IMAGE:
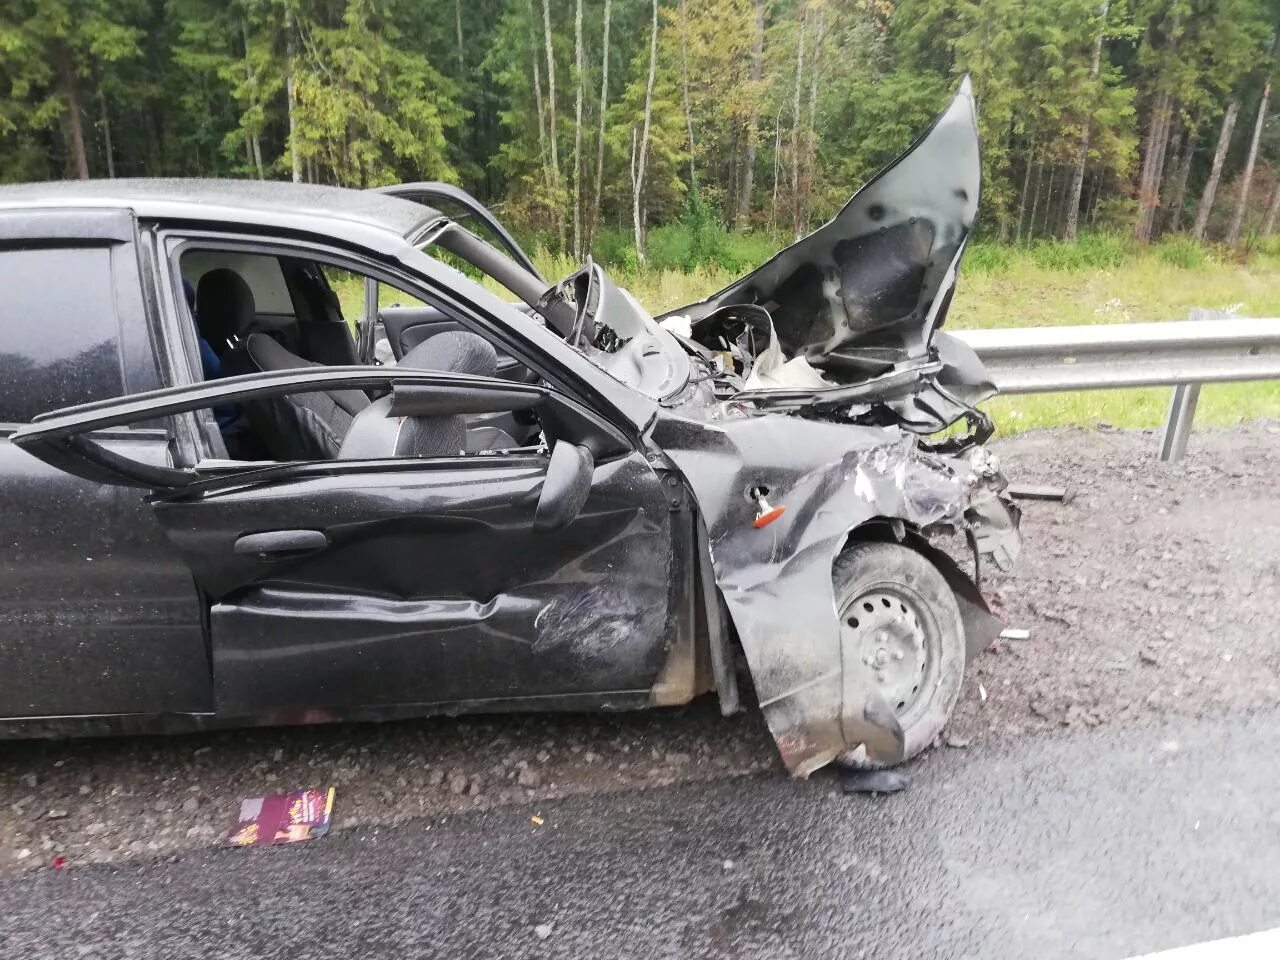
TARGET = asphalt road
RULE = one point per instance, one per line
(1103, 843)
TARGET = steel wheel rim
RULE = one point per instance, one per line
(888, 631)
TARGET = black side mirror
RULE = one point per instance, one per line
(566, 487)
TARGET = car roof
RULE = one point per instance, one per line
(270, 202)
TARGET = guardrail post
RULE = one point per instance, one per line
(1177, 426)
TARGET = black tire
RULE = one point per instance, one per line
(898, 612)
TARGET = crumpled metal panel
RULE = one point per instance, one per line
(776, 580)
(871, 287)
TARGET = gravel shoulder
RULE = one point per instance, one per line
(1153, 592)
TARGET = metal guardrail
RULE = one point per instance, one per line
(1209, 348)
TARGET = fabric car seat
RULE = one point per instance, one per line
(377, 434)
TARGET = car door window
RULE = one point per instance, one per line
(59, 335)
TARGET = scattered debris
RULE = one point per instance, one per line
(57, 813)
(982, 693)
(1040, 708)
(956, 742)
(59, 862)
(536, 820)
(872, 781)
(728, 865)
(1149, 657)
(1034, 491)
(543, 930)
(1015, 633)
(282, 818)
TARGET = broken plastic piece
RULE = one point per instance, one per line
(536, 820)
(282, 818)
(1013, 633)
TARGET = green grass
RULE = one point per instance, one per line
(1101, 279)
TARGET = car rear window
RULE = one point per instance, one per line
(59, 339)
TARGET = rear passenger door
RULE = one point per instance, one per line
(98, 614)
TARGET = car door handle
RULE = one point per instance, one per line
(279, 544)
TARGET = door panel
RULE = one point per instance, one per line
(433, 587)
(98, 614)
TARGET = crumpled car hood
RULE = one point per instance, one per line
(870, 288)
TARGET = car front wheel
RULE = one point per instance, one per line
(900, 621)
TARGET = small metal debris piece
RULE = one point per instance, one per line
(1014, 633)
(872, 781)
(1033, 491)
(543, 930)
(536, 820)
(982, 693)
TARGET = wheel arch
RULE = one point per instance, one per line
(981, 626)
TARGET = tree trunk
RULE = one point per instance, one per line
(684, 80)
(1082, 156)
(1180, 167)
(811, 130)
(580, 68)
(1246, 179)
(638, 180)
(796, 125)
(777, 165)
(1179, 197)
(1170, 162)
(1035, 202)
(551, 92)
(551, 125)
(78, 165)
(1026, 187)
(1273, 208)
(291, 97)
(1048, 202)
(753, 118)
(108, 149)
(1152, 160)
(457, 28)
(604, 103)
(1215, 174)
(537, 96)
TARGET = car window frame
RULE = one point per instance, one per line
(114, 230)
(173, 241)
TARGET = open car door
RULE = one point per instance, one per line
(542, 575)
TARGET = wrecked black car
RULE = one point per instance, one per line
(314, 472)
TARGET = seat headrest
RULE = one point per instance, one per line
(454, 351)
(224, 304)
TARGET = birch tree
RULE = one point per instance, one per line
(638, 161)
(1215, 173)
